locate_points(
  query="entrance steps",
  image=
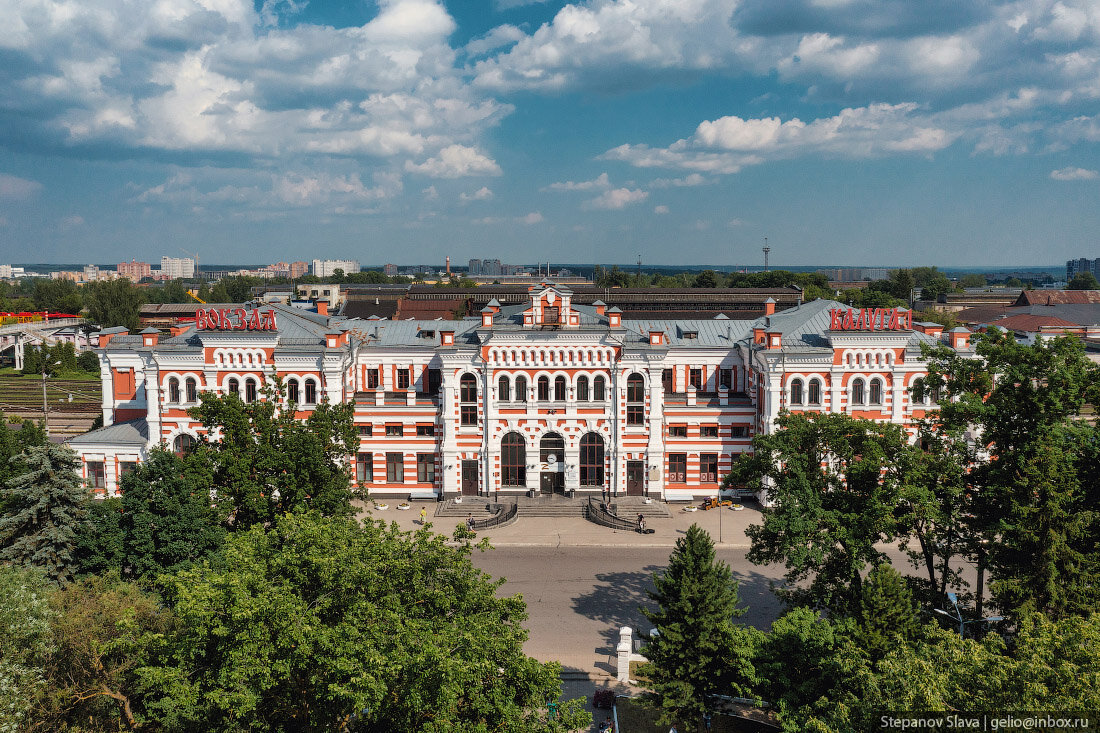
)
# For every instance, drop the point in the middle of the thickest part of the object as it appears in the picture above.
(550, 505)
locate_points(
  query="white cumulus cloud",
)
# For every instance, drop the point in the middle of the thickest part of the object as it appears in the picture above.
(600, 181)
(1074, 174)
(617, 198)
(456, 161)
(482, 194)
(15, 188)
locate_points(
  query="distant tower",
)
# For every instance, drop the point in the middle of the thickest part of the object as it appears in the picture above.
(767, 249)
(448, 266)
(639, 266)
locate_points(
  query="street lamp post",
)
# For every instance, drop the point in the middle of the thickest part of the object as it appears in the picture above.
(45, 406)
(957, 616)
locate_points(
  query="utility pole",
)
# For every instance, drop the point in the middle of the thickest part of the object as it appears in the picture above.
(639, 266)
(767, 249)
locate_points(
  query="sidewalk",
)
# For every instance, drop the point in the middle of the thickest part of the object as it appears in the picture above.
(723, 523)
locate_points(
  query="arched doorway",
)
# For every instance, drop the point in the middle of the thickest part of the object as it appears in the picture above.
(552, 455)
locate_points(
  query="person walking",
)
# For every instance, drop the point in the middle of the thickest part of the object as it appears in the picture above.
(423, 515)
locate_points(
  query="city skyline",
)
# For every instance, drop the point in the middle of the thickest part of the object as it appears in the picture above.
(844, 131)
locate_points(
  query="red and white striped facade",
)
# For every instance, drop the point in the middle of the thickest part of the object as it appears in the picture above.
(542, 396)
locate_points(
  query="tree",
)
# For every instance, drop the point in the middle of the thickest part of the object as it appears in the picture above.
(833, 483)
(114, 303)
(1083, 281)
(348, 627)
(58, 296)
(266, 462)
(25, 644)
(887, 614)
(101, 541)
(706, 279)
(12, 443)
(166, 522)
(1032, 489)
(103, 630)
(698, 651)
(973, 280)
(88, 362)
(44, 507)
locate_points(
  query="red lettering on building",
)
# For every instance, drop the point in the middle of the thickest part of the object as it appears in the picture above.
(237, 319)
(870, 319)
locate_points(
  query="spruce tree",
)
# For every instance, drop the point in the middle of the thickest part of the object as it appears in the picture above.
(44, 508)
(887, 613)
(698, 650)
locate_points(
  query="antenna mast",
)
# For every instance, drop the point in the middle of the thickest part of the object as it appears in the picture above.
(767, 249)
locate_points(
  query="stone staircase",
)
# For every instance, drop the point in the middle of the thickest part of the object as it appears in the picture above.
(551, 505)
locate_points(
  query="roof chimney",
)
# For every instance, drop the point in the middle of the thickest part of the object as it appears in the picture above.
(322, 307)
(486, 317)
(656, 338)
(614, 317)
(149, 337)
(769, 306)
(601, 307)
(446, 338)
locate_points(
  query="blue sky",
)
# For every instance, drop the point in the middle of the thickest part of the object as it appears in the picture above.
(878, 132)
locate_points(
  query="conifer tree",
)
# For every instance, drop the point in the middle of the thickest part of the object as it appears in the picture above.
(44, 508)
(698, 650)
(887, 613)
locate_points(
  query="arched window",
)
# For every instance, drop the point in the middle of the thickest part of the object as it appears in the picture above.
(292, 393)
(559, 389)
(857, 392)
(250, 390)
(815, 392)
(876, 392)
(521, 389)
(599, 391)
(635, 400)
(174, 391)
(467, 395)
(233, 386)
(513, 460)
(543, 390)
(592, 460)
(192, 388)
(504, 392)
(311, 392)
(796, 391)
(582, 388)
(183, 443)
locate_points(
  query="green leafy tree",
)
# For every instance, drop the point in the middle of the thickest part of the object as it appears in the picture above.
(25, 645)
(833, 484)
(88, 362)
(1033, 491)
(59, 296)
(101, 541)
(44, 507)
(887, 613)
(267, 462)
(114, 303)
(698, 650)
(706, 279)
(14, 441)
(973, 280)
(1083, 281)
(166, 523)
(103, 630)
(325, 624)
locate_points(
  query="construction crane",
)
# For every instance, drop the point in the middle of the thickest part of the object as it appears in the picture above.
(194, 257)
(192, 294)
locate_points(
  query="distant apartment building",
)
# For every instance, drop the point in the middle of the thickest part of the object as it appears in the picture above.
(855, 274)
(91, 273)
(328, 268)
(6, 271)
(1084, 264)
(389, 269)
(172, 268)
(297, 269)
(474, 268)
(134, 270)
(492, 268)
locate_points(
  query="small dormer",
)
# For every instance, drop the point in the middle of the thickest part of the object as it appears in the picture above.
(150, 337)
(107, 334)
(769, 307)
(656, 338)
(493, 305)
(614, 317)
(758, 335)
(601, 307)
(487, 317)
(958, 338)
(446, 338)
(336, 339)
(773, 339)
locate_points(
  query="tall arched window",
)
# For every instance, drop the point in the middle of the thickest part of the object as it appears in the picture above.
(183, 443)
(599, 390)
(592, 460)
(559, 389)
(233, 386)
(543, 390)
(876, 392)
(635, 400)
(192, 388)
(857, 392)
(815, 392)
(174, 391)
(582, 388)
(513, 460)
(521, 389)
(504, 391)
(292, 393)
(311, 392)
(250, 390)
(467, 395)
(796, 391)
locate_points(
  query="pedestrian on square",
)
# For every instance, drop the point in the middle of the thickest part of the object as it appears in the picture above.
(423, 515)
